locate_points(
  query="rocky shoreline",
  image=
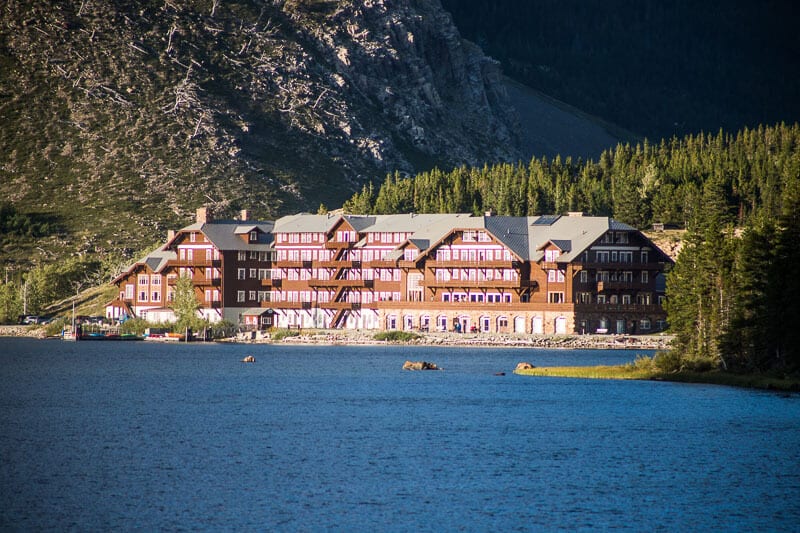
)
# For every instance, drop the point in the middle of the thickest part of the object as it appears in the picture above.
(344, 337)
(362, 337)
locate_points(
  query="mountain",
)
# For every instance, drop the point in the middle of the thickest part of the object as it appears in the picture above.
(659, 69)
(121, 117)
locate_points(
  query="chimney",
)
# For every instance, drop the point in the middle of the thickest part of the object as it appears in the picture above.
(170, 234)
(244, 215)
(489, 213)
(203, 215)
(574, 213)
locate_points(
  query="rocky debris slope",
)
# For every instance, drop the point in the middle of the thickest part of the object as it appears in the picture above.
(137, 108)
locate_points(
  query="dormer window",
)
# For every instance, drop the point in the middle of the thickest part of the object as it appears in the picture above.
(253, 236)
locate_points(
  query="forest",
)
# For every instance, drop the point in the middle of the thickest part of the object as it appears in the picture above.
(731, 292)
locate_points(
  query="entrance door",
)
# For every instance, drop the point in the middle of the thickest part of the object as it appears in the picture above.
(519, 325)
(537, 324)
(621, 325)
(561, 326)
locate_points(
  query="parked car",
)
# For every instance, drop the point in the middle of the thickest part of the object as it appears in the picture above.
(33, 319)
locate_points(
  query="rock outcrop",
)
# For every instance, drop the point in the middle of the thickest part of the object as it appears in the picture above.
(420, 365)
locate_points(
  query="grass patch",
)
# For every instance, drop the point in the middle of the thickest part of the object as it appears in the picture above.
(644, 369)
(396, 336)
(284, 333)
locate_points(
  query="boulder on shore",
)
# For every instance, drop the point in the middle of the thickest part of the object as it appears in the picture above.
(524, 366)
(419, 365)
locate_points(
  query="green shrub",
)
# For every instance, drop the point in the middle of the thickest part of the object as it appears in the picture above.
(700, 364)
(135, 326)
(395, 336)
(55, 327)
(223, 329)
(284, 333)
(668, 362)
(643, 362)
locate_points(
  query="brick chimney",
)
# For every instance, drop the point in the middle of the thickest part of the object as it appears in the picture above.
(244, 215)
(203, 215)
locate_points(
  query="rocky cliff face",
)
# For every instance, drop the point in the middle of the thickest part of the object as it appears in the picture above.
(124, 108)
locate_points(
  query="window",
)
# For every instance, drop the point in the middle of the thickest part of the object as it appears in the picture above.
(551, 255)
(626, 257)
(251, 295)
(585, 297)
(143, 279)
(626, 299)
(240, 296)
(555, 297)
(601, 298)
(584, 276)
(469, 236)
(241, 273)
(601, 257)
(155, 279)
(143, 296)
(155, 296)
(645, 276)
(645, 258)
(253, 273)
(129, 291)
(208, 295)
(192, 237)
(209, 254)
(242, 255)
(644, 324)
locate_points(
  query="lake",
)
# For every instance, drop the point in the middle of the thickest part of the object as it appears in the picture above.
(135, 435)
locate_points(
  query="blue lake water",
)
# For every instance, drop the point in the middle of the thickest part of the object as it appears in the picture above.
(132, 435)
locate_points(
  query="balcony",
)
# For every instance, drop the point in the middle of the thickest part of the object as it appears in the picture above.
(336, 245)
(347, 306)
(337, 264)
(292, 264)
(487, 263)
(338, 282)
(382, 263)
(290, 305)
(196, 262)
(483, 284)
(603, 286)
(651, 309)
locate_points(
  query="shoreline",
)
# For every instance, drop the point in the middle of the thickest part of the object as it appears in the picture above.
(477, 340)
(487, 340)
(767, 381)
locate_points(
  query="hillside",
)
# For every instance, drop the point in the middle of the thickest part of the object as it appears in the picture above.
(120, 118)
(657, 68)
